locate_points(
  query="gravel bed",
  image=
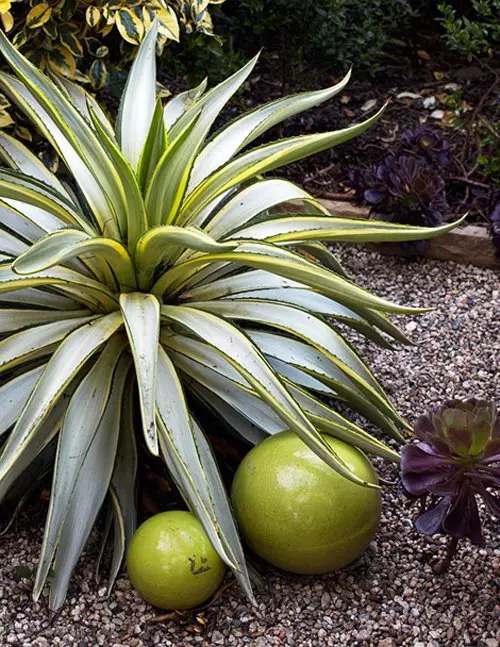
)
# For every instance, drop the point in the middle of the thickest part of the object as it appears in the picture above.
(390, 597)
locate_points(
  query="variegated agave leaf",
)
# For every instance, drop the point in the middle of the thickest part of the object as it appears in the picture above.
(165, 268)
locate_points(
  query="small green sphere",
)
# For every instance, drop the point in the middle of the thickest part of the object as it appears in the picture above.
(297, 513)
(171, 562)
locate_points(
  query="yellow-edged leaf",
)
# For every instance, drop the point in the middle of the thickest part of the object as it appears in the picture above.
(62, 60)
(93, 45)
(50, 28)
(162, 92)
(20, 39)
(71, 43)
(37, 57)
(101, 52)
(79, 77)
(51, 160)
(168, 24)
(206, 25)
(93, 16)
(23, 133)
(147, 17)
(109, 14)
(198, 8)
(7, 21)
(161, 41)
(130, 27)
(5, 119)
(98, 74)
(38, 15)
(107, 29)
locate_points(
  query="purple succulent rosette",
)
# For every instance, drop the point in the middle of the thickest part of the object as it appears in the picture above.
(429, 142)
(406, 190)
(409, 188)
(454, 461)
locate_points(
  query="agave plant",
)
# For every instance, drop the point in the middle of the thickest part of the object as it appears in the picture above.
(165, 267)
(454, 460)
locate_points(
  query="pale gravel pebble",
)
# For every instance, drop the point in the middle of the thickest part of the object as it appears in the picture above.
(390, 597)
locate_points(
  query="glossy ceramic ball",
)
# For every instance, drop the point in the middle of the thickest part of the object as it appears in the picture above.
(297, 513)
(171, 562)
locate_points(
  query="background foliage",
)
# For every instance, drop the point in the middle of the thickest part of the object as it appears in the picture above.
(331, 35)
(475, 31)
(93, 41)
(326, 34)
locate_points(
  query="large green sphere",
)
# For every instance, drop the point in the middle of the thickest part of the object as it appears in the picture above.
(297, 513)
(172, 563)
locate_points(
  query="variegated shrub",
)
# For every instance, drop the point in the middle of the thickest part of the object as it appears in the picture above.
(75, 37)
(166, 267)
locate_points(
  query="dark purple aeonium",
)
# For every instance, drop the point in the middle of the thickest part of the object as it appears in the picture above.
(429, 142)
(404, 189)
(454, 461)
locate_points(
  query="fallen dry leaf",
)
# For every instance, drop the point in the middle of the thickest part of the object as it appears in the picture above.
(422, 54)
(408, 95)
(368, 105)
